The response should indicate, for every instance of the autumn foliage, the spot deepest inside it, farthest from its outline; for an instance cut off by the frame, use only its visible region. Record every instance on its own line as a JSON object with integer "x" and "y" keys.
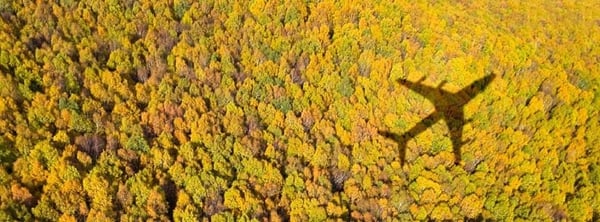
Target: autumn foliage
{"x": 239, "y": 110}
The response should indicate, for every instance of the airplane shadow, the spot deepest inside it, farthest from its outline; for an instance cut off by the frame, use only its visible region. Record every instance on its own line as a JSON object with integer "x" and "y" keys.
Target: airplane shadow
{"x": 448, "y": 106}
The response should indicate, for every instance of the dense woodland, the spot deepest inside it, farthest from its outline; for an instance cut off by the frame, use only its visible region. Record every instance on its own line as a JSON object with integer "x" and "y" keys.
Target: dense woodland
{"x": 270, "y": 110}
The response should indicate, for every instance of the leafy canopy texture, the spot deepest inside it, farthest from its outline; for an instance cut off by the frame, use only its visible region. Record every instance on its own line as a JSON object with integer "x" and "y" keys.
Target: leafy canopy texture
{"x": 271, "y": 110}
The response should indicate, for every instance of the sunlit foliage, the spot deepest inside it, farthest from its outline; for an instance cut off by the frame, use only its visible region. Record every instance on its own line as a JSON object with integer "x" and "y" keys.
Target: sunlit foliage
{"x": 237, "y": 110}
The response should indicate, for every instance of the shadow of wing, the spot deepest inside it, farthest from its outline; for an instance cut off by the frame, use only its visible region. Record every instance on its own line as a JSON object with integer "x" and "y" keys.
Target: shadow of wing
{"x": 431, "y": 93}
{"x": 400, "y": 140}
{"x": 476, "y": 87}
{"x": 412, "y": 133}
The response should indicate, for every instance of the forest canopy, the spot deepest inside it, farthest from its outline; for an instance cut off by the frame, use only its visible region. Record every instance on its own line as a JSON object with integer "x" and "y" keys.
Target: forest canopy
{"x": 270, "y": 110}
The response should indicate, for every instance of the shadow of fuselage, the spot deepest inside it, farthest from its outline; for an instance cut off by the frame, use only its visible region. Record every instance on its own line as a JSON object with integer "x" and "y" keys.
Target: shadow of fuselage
{"x": 448, "y": 106}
